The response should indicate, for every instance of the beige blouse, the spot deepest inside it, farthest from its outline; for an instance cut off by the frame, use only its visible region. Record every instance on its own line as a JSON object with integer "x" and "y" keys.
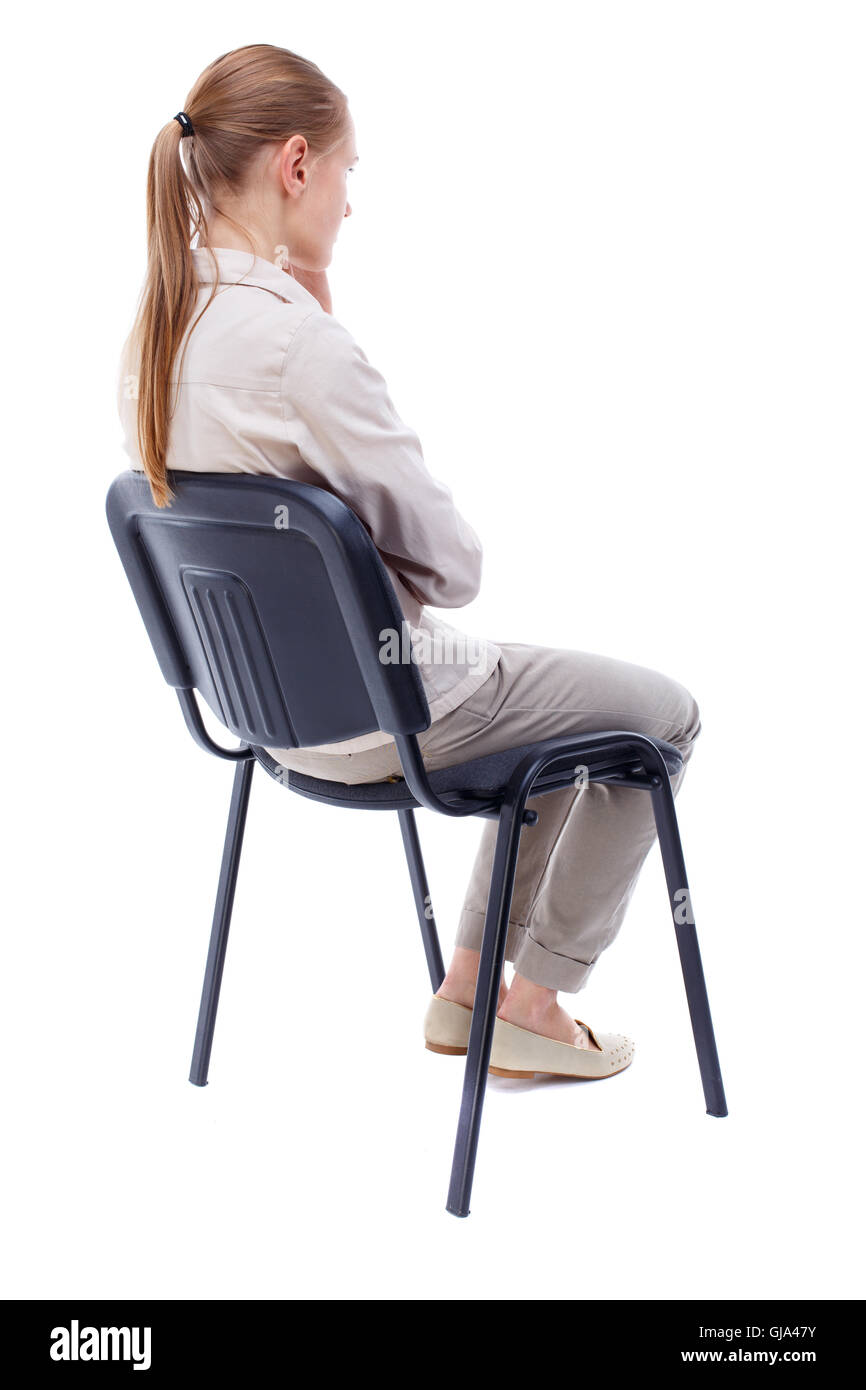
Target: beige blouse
{"x": 271, "y": 383}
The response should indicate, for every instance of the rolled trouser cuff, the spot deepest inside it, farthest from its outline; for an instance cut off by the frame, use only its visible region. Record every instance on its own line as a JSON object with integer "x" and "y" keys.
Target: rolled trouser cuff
{"x": 471, "y": 929}
{"x": 529, "y": 958}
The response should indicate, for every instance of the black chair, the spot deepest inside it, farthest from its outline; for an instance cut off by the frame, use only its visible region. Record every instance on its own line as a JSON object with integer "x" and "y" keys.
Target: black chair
{"x": 269, "y": 598}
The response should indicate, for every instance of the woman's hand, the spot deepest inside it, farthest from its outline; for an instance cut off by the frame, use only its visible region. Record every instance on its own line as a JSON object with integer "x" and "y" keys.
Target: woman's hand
{"x": 316, "y": 281}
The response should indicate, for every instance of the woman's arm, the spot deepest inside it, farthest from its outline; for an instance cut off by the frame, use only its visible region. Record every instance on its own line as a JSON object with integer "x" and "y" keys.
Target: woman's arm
{"x": 341, "y": 419}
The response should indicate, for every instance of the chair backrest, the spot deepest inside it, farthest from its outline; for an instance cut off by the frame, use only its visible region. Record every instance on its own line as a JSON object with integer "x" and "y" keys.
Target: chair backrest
{"x": 269, "y": 597}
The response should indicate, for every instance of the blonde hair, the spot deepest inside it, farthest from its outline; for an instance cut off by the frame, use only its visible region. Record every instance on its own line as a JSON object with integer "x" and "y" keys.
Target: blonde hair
{"x": 244, "y": 100}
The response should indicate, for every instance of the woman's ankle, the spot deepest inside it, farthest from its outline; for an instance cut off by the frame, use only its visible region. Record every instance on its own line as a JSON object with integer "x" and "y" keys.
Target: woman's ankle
{"x": 528, "y": 1003}
{"x": 536, "y": 1008}
{"x": 461, "y": 978}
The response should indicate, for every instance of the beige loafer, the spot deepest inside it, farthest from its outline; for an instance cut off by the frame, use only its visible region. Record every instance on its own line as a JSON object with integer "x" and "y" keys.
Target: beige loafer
{"x": 446, "y": 1027}
{"x": 518, "y": 1052}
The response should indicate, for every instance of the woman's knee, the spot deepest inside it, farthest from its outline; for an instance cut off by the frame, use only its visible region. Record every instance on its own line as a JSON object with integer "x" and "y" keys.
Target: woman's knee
{"x": 688, "y": 720}
{"x": 670, "y": 707}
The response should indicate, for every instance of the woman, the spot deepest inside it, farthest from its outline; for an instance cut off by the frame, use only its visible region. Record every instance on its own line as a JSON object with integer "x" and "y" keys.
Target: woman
{"x": 236, "y": 363}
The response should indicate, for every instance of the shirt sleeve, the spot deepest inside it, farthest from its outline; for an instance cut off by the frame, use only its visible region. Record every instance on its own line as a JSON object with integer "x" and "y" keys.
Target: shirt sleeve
{"x": 342, "y": 420}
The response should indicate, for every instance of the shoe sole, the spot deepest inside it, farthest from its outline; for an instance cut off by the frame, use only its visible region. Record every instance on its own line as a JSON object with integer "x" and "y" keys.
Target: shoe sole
{"x": 571, "y": 1075}
{"x": 522, "y": 1075}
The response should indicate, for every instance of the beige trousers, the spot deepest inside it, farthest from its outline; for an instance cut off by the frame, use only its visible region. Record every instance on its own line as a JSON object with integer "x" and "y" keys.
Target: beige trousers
{"x": 578, "y": 866}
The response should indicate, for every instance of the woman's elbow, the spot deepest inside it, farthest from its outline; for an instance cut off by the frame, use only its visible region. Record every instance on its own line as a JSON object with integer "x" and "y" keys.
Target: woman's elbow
{"x": 463, "y": 581}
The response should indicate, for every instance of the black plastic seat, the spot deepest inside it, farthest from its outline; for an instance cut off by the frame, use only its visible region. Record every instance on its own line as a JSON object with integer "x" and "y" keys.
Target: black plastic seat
{"x": 486, "y": 778}
{"x": 268, "y": 598}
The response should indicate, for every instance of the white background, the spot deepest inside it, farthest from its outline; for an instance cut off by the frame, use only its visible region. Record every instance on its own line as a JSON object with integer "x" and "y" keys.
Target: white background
{"x": 609, "y": 258}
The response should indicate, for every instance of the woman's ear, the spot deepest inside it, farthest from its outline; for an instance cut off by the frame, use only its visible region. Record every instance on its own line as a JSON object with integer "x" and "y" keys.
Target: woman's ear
{"x": 293, "y": 165}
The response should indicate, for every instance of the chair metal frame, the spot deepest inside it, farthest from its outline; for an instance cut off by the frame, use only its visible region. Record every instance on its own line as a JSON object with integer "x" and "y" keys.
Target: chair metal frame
{"x": 615, "y": 757}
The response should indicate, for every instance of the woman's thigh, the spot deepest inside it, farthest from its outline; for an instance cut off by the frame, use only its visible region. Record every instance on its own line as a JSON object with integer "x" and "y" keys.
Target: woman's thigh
{"x": 542, "y": 692}
{"x": 534, "y": 693}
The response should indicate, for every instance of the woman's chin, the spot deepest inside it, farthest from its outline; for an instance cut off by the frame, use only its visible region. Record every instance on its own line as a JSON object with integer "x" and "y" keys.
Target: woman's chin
{"x": 314, "y": 266}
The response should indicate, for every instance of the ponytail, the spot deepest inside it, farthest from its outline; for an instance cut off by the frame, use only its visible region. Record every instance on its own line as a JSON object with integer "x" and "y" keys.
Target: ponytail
{"x": 254, "y": 95}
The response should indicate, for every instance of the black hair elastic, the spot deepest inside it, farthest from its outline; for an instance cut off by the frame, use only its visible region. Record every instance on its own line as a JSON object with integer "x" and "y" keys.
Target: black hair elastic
{"x": 185, "y": 123}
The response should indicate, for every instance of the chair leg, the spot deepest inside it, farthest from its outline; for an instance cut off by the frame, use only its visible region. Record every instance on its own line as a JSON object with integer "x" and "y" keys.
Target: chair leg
{"x": 485, "y": 1007}
{"x": 221, "y": 921}
{"x": 417, "y": 874}
{"x": 687, "y": 941}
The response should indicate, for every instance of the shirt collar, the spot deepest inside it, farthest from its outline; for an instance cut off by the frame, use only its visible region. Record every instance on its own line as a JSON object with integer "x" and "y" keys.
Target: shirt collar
{"x": 236, "y": 266}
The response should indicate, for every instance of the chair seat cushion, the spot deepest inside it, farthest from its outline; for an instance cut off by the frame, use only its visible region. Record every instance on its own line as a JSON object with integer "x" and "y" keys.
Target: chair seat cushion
{"x": 483, "y": 778}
